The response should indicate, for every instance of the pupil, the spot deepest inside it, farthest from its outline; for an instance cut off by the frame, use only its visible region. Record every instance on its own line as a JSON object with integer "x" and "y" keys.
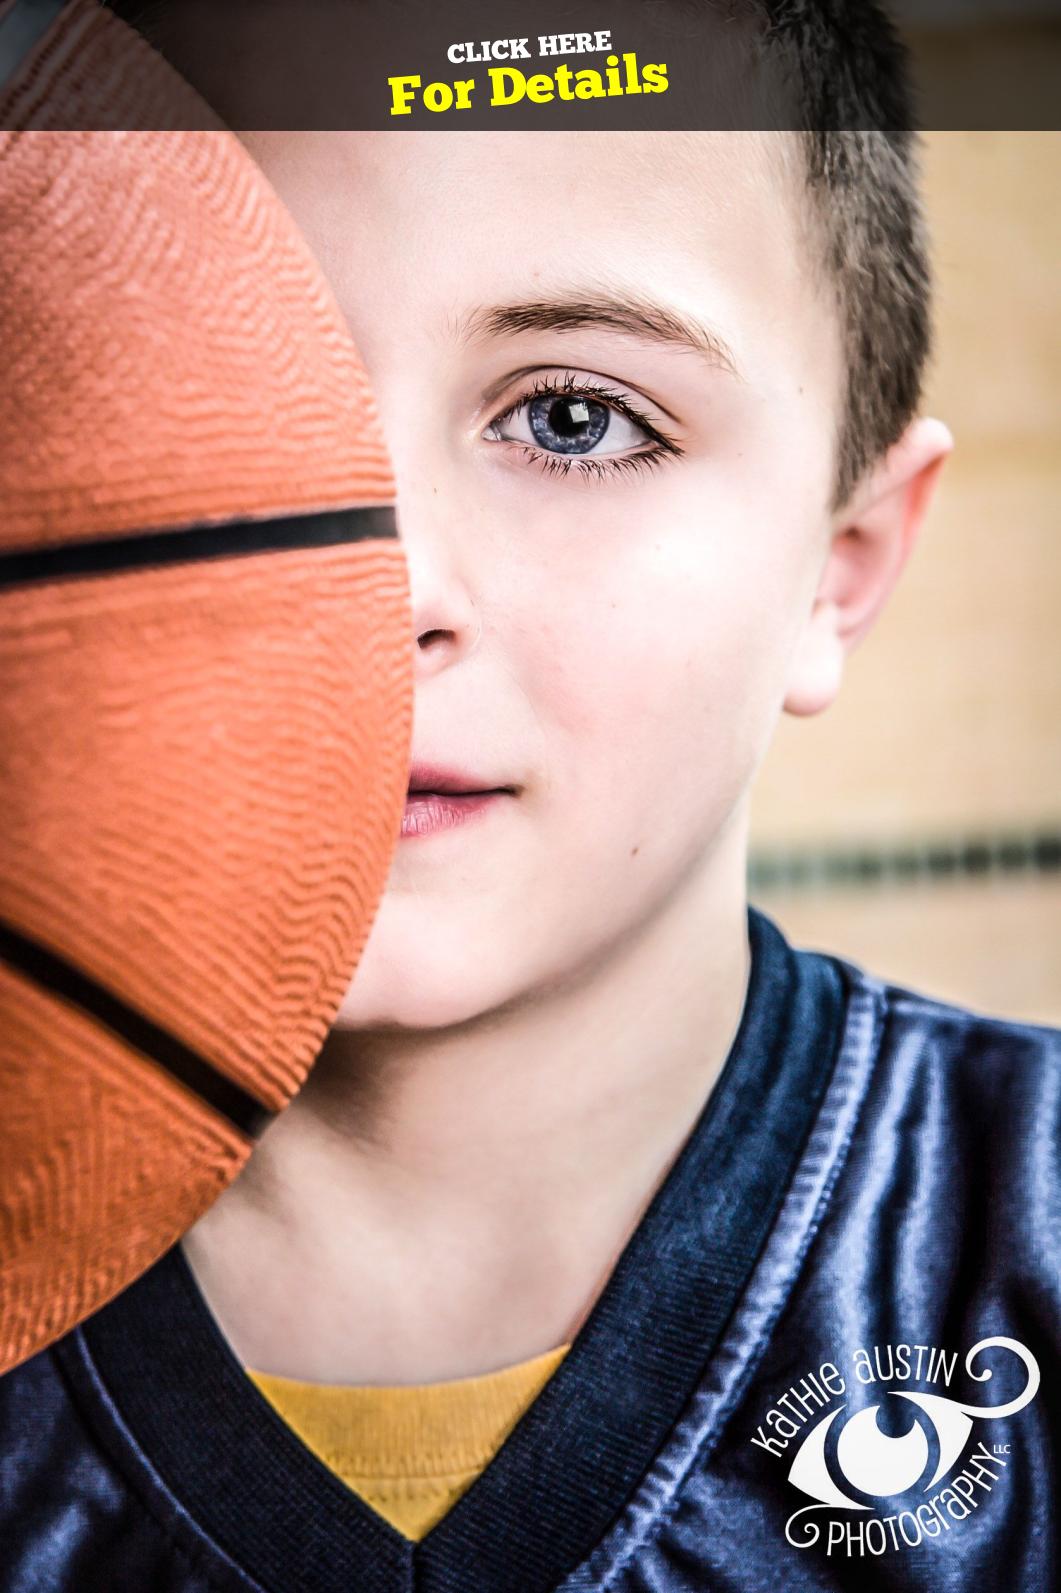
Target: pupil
{"x": 570, "y": 424}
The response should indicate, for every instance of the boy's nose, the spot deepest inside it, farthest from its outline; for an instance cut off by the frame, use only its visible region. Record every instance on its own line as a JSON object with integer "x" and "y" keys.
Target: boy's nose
{"x": 444, "y": 521}
{"x": 447, "y": 621}
{"x": 446, "y": 625}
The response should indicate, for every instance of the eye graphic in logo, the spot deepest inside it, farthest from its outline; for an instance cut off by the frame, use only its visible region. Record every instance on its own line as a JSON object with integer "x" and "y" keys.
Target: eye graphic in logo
{"x": 878, "y": 1464}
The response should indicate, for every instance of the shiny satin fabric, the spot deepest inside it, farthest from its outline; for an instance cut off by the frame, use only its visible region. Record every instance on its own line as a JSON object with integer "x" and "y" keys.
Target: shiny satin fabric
{"x": 922, "y": 1211}
{"x": 925, "y": 1212}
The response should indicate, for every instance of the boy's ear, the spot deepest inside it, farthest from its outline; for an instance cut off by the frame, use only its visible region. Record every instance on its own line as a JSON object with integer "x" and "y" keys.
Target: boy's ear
{"x": 872, "y": 538}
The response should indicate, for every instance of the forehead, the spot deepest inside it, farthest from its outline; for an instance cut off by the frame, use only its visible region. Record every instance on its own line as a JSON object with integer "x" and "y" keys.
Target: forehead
{"x": 427, "y": 228}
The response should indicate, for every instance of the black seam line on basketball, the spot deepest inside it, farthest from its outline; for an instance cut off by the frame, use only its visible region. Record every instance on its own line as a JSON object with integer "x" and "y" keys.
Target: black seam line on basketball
{"x": 228, "y": 540}
{"x": 21, "y": 30}
{"x": 54, "y": 973}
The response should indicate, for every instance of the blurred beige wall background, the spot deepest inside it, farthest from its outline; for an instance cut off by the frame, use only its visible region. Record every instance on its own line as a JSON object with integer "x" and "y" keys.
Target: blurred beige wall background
{"x": 946, "y": 732}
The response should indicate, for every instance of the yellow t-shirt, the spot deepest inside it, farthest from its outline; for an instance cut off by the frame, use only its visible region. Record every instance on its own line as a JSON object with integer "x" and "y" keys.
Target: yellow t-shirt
{"x": 411, "y": 1450}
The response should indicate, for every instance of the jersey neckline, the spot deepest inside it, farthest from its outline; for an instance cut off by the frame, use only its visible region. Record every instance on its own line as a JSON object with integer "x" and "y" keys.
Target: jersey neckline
{"x": 213, "y": 1443}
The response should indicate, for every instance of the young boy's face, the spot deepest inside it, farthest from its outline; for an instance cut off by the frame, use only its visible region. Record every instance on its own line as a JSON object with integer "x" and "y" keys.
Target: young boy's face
{"x": 606, "y": 605}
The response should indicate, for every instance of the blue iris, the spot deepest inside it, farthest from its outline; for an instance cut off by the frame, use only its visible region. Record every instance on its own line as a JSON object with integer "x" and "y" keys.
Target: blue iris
{"x": 567, "y": 423}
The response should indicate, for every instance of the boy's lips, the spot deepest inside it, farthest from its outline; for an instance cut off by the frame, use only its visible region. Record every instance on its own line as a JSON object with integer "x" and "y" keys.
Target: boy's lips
{"x": 433, "y": 777}
{"x": 443, "y": 799}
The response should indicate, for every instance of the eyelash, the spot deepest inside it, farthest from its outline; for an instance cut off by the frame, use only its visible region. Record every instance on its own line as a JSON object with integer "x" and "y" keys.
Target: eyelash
{"x": 609, "y": 464}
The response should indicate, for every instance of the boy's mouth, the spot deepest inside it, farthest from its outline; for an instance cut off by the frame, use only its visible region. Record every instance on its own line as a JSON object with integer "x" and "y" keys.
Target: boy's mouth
{"x": 433, "y": 780}
{"x": 443, "y": 799}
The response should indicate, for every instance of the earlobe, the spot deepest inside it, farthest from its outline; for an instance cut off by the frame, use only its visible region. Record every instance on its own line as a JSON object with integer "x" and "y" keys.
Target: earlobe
{"x": 872, "y": 538}
{"x": 818, "y": 665}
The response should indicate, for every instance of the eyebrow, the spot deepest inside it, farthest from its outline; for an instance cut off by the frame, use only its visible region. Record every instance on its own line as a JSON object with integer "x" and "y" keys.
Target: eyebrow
{"x": 636, "y": 316}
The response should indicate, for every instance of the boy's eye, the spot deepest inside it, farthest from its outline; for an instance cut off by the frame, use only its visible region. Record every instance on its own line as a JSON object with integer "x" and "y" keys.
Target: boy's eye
{"x": 575, "y": 423}
{"x": 569, "y": 423}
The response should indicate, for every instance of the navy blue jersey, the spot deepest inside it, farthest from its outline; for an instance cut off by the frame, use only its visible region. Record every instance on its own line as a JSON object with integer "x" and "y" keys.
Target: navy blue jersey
{"x": 824, "y": 1360}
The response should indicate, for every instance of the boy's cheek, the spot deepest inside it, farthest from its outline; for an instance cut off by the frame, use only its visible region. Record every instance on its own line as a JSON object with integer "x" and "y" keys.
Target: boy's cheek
{"x": 643, "y": 713}
{"x": 691, "y": 640}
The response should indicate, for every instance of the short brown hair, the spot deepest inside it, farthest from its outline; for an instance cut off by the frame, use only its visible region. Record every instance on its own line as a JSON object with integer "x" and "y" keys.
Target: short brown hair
{"x": 869, "y": 210}
{"x": 854, "y": 109}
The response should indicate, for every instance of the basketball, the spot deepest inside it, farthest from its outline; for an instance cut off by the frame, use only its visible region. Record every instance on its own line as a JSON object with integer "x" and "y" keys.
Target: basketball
{"x": 205, "y": 670}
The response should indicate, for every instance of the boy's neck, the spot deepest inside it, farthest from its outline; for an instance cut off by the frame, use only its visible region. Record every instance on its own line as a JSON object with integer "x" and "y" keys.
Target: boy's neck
{"x": 439, "y": 1204}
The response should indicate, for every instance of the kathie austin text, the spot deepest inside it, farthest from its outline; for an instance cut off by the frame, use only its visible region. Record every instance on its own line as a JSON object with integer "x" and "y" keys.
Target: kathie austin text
{"x": 511, "y": 84}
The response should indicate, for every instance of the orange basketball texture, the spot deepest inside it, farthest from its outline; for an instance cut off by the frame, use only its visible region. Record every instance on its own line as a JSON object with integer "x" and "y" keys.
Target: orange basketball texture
{"x": 205, "y": 676}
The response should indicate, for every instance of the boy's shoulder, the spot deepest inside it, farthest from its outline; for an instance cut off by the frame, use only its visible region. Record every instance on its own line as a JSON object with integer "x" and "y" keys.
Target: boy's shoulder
{"x": 948, "y": 1108}
{"x": 962, "y": 1105}
{"x": 941, "y": 1033}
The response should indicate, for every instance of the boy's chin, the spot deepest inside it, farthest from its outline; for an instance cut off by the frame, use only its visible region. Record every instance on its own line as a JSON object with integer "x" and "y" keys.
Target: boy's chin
{"x": 412, "y": 1008}
{"x": 434, "y": 963}
{"x": 428, "y": 990}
